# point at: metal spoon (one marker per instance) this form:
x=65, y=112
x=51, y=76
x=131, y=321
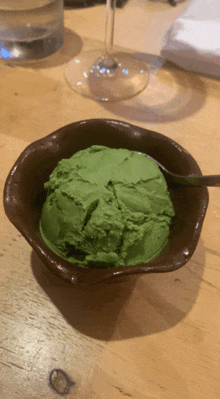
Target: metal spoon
x=191, y=180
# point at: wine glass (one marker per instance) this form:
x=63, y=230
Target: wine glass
x=107, y=74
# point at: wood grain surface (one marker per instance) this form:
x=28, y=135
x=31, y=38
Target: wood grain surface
x=147, y=337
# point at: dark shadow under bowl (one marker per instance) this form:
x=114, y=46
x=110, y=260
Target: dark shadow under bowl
x=24, y=193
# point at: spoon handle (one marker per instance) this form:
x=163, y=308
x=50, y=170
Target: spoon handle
x=191, y=180
x=208, y=180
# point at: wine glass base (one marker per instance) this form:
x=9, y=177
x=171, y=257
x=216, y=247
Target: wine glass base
x=116, y=78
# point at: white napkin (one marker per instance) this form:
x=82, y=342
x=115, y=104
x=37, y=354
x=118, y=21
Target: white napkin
x=193, y=40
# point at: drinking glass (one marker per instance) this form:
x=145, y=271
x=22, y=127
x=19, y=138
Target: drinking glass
x=30, y=29
x=107, y=75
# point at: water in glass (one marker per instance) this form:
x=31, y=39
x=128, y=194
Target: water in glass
x=30, y=29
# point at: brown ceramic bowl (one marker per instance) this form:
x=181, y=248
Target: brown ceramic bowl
x=24, y=193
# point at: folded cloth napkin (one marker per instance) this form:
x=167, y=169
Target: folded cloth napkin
x=193, y=40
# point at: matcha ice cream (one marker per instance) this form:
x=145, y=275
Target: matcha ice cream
x=106, y=208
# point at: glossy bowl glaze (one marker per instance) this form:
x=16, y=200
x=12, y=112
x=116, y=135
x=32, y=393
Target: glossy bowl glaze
x=24, y=193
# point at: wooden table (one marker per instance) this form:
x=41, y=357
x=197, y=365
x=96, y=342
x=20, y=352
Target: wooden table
x=151, y=337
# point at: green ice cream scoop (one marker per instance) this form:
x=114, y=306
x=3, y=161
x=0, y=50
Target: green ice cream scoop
x=106, y=208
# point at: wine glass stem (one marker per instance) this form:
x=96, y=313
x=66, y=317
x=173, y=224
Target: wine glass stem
x=109, y=26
